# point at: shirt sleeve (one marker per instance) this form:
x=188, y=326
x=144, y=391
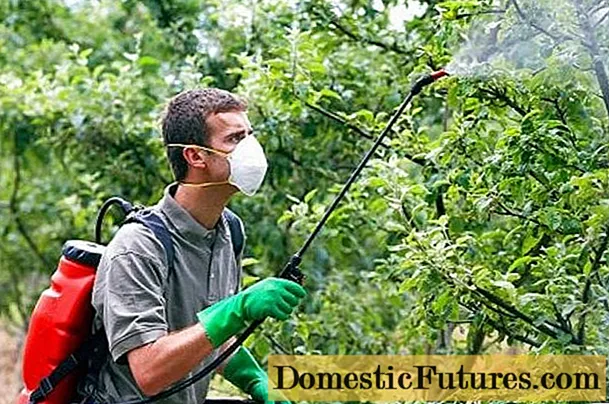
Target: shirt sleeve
x=133, y=305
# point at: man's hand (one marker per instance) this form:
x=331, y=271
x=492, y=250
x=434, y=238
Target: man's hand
x=271, y=297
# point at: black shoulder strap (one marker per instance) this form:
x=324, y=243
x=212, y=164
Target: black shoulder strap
x=153, y=221
x=92, y=345
x=236, y=231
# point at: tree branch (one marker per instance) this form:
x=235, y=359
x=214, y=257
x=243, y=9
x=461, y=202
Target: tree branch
x=14, y=209
x=522, y=338
x=501, y=328
x=508, y=212
x=543, y=328
x=562, y=115
x=492, y=301
x=536, y=26
x=596, y=8
x=600, y=20
x=533, y=252
x=564, y=322
x=337, y=118
x=593, y=271
x=592, y=45
x=502, y=96
x=358, y=38
x=358, y=130
x=551, y=152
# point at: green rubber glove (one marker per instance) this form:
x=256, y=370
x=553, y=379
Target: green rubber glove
x=244, y=372
x=271, y=297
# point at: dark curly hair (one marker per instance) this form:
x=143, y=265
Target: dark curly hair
x=184, y=121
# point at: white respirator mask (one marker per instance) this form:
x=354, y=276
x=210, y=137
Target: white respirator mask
x=247, y=165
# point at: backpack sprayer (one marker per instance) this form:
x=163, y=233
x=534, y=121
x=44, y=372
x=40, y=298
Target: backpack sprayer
x=45, y=378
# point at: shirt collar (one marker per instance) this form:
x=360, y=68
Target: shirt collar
x=183, y=221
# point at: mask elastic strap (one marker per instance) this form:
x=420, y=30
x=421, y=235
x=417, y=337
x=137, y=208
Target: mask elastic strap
x=203, y=185
x=196, y=146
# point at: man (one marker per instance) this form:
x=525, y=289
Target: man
x=163, y=326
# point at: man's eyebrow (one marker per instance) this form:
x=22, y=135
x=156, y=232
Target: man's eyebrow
x=240, y=132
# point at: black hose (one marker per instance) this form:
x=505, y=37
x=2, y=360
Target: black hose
x=125, y=206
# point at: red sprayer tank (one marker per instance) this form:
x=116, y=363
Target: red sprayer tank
x=61, y=320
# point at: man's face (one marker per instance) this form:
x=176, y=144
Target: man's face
x=225, y=131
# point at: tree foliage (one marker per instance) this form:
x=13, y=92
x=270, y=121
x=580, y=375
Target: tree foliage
x=486, y=211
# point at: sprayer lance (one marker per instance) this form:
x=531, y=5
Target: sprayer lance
x=290, y=271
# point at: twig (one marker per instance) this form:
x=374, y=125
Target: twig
x=337, y=118
x=522, y=316
x=508, y=212
x=484, y=12
x=517, y=337
x=561, y=320
x=277, y=345
x=360, y=131
x=542, y=180
x=565, y=162
x=600, y=20
x=500, y=95
x=596, y=8
x=533, y=252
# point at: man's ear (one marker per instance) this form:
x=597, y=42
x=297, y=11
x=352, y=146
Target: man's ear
x=194, y=158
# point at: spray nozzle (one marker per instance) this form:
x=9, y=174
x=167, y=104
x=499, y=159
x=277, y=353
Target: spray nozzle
x=427, y=80
x=439, y=74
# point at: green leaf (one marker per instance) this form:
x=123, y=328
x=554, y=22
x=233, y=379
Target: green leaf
x=245, y=262
x=521, y=262
x=293, y=199
x=529, y=242
x=326, y=92
x=503, y=284
x=310, y=195
x=148, y=62
x=249, y=280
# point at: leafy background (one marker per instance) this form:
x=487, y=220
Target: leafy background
x=480, y=226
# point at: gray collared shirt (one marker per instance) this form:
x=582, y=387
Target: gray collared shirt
x=137, y=300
